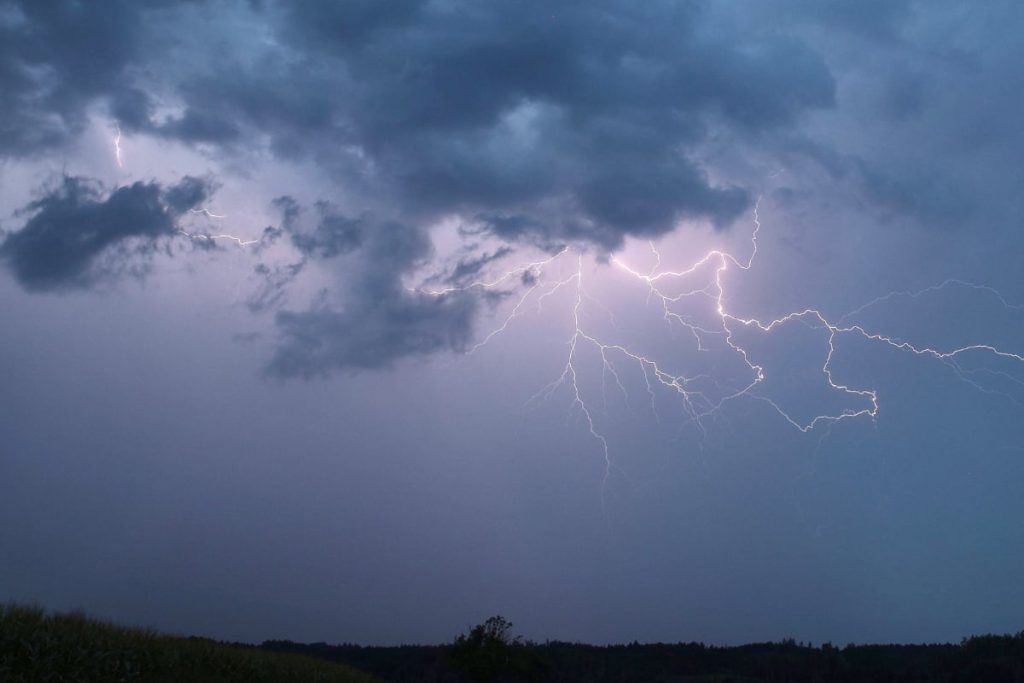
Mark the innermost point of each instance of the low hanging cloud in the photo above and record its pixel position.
(383, 320)
(76, 236)
(335, 233)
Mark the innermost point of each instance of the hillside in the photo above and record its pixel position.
(37, 646)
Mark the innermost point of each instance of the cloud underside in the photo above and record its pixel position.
(579, 121)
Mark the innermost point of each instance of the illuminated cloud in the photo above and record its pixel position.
(586, 123)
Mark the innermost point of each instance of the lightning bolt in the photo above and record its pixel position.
(205, 236)
(206, 212)
(203, 211)
(694, 391)
(117, 146)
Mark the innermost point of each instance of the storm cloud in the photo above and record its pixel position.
(359, 192)
(76, 235)
(383, 321)
(56, 58)
(586, 123)
(580, 116)
(572, 123)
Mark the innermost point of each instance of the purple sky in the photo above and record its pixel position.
(253, 254)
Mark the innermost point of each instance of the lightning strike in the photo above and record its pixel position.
(697, 403)
(212, 238)
(207, 213)
(242, 242)
(117, 147)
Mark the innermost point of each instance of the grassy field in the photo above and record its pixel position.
(37, 647)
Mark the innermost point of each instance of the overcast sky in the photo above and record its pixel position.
(363, 321)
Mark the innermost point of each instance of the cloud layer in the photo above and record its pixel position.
(580, 119)
(585, 122)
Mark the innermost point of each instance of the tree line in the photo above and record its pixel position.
(489, 653)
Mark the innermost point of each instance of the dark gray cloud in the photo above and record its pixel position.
(76, 236)
(576, 122)
(580, 116)
(335, 234)
(382, 321)
(56, 58)
(372, 335)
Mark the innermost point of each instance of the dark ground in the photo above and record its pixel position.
(38, 646)
(990, 659)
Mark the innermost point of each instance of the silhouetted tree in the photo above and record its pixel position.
(489, 652)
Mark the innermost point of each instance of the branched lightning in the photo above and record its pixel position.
(697, 400)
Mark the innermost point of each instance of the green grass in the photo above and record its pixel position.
(37, 647)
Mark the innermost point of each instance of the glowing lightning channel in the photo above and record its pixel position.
(697, 404)
(207, 213)
(117, 146)
(211, 238)
(834, 329)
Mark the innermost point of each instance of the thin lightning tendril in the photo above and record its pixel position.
(205, 212)
(211, 238)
